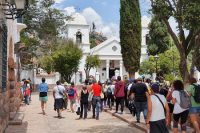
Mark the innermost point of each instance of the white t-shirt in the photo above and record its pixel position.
(58, 88)
(177, 107)
(129, 86)
(158, 112)
(112, 88)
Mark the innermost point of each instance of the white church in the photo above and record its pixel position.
(109, 51)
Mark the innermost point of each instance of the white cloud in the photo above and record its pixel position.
(92, 16)
(59, 1)
(110, 29)
(70, 10)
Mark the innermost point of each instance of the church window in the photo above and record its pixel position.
(114, 48)
(78, 37)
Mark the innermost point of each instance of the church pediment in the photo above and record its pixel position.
(109, 47)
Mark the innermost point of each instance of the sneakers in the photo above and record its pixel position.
(138, 121)
(121, 113)
(43, 112)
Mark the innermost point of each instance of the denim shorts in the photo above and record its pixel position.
(194, 110)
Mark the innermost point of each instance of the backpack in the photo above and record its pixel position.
(185, 102)
(71, 92)
(196, 93)
(109, 91)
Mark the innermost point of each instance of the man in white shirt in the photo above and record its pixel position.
(58, 94)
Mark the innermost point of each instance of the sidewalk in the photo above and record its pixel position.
(127, 117)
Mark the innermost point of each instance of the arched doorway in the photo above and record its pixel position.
(78, 37)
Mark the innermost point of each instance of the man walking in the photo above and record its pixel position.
(58, 94)
(96, 89)
(119, 94)
(139, 91)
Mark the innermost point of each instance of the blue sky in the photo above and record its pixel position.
(106, 12)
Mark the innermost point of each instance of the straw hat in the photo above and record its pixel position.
(65, 83)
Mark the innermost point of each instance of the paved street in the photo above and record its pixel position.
(35, 122)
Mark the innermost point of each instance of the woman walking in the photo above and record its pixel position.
(158, 112)
(194, 111)
(84, 101)
(179, 113)
(43, 89)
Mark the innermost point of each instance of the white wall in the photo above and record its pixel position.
(73, 29)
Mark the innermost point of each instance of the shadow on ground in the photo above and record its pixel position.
(17, 128)
(107, 129)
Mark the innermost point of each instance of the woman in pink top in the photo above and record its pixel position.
(72, 94)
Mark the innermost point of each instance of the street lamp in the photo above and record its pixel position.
(14, 8)
(156, 57)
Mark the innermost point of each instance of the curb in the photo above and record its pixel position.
(140, 126)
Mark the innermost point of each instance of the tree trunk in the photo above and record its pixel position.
(87, 73)
(183, 67)
(131, 75)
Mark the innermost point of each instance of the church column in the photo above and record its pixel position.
(121, 67)
(107, 68)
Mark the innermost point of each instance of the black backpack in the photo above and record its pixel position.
(109, 91)
(196, 93)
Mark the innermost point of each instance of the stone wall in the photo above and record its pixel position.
(10, 101)
(15, 98)
(4, 110)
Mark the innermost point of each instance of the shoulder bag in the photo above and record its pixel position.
(161, 103)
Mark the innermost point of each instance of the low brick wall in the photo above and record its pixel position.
(4, 110)
(10, 101)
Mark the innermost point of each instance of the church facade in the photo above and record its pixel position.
(109, 51)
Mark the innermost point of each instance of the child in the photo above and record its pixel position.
(27, 93)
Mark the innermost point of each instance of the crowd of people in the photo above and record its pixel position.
(160, 103)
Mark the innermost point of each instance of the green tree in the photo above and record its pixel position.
(167, 64)
(186, 13)
(46, 63)
(66, 59)
(159, 39)
(45, 24)
(92, 61)
(130, 35)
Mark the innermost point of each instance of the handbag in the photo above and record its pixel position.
(102, 95)
(43, 94)
(90, 97)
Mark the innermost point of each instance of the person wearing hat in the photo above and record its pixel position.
(139, 92)
(158, 111)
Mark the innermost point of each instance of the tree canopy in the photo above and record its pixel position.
(64, 60)
(45, 24)
(167, 64)
(92, 61)
(158, 39)
(130, 35)
(186, 14)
